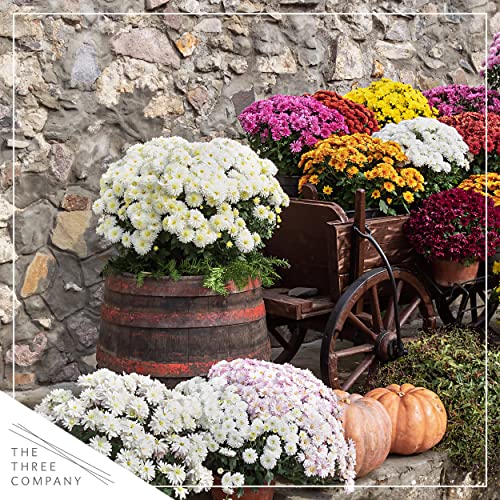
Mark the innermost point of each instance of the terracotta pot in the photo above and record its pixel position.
(448, 273)
(289, 184)
(249, 494)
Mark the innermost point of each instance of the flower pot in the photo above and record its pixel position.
(289, 184)
(266, 493)
(448, 273)
(174, 330)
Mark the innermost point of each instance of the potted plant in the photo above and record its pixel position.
(358, 118)
(282, 127)
(492, 63)
(338, 166)
(455, 99)
(306, 416)
(137, 422)
(435, 149)
(451, 231)
(392, 101)
(189, 221)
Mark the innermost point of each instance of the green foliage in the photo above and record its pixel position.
(253, 265)
(451, 362)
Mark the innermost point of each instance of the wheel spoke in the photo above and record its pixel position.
(390, 316)
(376, 313)
(407, 312)
(473, 306)
(360, 369)
(357, 349)
(361, 326)
(461, 308)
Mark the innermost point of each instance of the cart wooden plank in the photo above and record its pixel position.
(302, 240)
(389, 233)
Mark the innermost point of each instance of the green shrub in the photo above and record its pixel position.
(451, 362)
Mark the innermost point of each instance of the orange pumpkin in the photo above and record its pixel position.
(418, 417)
(366, 422)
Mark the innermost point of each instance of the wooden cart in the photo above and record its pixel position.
(360, 287)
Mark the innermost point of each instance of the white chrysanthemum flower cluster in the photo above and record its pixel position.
(177, 437)
(308, 410)
(428, 143)
(200, 193)
(153, 430)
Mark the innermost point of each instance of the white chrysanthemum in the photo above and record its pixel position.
(170, 176)
(196, 219)
(141, 245)
(428, 143)
(175, 473)
(244, 241)
(249, 456)
(261, 212)
(146, 470)
(186, 235)
(114, 234)
(268, 461)
(194, 199)
(173, 224)
(101, 444)
(126, 239)
(98, 206)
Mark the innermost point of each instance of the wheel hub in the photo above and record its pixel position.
(386, 347)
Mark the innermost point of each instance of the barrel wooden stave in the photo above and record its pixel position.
(173, 337)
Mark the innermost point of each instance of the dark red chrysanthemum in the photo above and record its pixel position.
(358, 118)
(471, 126)
(452, 225)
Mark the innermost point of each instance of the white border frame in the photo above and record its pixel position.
(258, 14)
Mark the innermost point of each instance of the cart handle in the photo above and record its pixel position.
(367, 235)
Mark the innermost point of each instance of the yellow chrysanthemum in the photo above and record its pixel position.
(408, 197)
(392, 101)
(327, 190)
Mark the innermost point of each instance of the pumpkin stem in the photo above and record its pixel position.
(400, 394)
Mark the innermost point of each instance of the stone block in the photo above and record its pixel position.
(279, 64)
(38, 274)
(85, 70)
(61, 162)
(163, 106)
(148, 44)
(73, 202)
(153, 4)
(395, 51)
(186, 44)
(83, 329)
(348, 60)
(33, 226)
(7, 308)
(69, 231)
(209, 25)
(27, 355)
(66, 294)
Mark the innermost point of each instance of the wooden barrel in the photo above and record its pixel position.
(173, 330)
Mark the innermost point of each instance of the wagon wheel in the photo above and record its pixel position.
(362, 326)
(287, 338)
(470, 304)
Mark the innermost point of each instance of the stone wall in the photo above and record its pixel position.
(88, 86)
